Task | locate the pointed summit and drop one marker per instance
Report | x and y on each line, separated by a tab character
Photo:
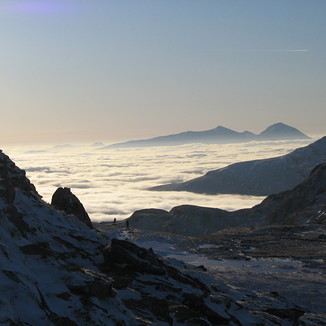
282	131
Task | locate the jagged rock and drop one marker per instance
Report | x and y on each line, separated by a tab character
99	288
63	199
129	258
13	177
14	181
292	314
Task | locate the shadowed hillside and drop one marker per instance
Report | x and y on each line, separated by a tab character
257	177
304	204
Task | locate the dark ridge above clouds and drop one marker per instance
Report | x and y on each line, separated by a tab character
258	177
218	135
304	204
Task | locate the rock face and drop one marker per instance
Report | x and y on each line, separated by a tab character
63	199
218	135
304	204
56	271
258	177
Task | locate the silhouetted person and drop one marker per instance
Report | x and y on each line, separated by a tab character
127	224
115	221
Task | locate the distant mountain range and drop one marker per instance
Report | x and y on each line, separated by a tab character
304	204
218	135
257	177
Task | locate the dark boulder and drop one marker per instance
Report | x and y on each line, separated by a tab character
63	199
128	257
98	287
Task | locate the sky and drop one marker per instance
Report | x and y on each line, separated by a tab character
78	70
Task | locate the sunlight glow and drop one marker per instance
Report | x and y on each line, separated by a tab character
37	7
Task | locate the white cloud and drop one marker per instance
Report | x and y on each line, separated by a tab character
112	183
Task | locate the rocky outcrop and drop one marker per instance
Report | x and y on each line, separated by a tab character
126	257
12	177
304	204
64	200
258	177
13	183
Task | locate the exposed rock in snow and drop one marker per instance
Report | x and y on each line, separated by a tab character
63	199
218	135
258	177
268	264
54	270
304	204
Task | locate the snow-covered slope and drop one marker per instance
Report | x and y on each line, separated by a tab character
218	135
305	203
258	177
272	266
55	270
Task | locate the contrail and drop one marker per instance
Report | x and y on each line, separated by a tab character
266	50
289	50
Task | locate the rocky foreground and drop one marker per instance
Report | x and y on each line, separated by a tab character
263	265
56	270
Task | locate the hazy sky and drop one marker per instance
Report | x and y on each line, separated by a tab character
124	69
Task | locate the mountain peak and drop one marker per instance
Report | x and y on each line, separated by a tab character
280	131
221	128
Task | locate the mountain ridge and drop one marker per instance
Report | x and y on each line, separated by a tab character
256	177
218	135
303	204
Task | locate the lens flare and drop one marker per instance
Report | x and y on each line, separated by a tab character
38	7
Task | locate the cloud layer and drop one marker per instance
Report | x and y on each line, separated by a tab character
111	183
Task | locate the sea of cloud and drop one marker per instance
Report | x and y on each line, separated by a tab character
112	183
